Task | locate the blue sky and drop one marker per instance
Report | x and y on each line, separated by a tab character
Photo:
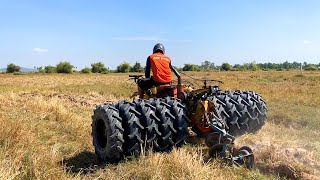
38	33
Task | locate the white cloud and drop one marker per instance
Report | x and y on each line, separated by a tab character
307	42
40	50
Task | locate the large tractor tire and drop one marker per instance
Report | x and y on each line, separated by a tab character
261	108
123	128
181	121
149	121
107	133
246	111
132	128
165	125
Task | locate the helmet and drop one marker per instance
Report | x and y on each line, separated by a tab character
158	47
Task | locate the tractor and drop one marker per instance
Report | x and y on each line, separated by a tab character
160	119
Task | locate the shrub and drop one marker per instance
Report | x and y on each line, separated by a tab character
137	68
190	67
11	68
64	67
40	69
237	67
310	67
86	70
19	73
98	68
253	66
124	67
50	69
226	67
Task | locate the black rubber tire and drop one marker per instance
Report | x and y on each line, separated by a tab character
232	104
215	151
246	111
212	139
107	133
248	160
165	125
181	121
261	108
149	121
132	128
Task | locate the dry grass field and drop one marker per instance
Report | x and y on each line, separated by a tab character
45	129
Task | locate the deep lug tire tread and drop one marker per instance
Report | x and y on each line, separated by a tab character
165	125
246	110
149	121
132	128
181	122
107	114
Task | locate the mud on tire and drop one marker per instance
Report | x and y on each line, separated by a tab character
107	133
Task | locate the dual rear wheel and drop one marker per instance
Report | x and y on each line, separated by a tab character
124	128
242	111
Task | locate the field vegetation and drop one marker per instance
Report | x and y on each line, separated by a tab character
45	128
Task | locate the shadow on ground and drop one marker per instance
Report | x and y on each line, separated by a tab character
85	162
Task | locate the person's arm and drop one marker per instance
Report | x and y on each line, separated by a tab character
179	87
174	70
147	69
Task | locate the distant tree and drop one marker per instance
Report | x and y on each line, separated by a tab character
190	67
124	67
137	67
253	66
226	67
11	68
50	69
237	67
287	65
64	67
86	70
207	65
98	68
296	65
177	68
40	69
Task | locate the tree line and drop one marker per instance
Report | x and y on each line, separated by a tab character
99	67
253	66
67	67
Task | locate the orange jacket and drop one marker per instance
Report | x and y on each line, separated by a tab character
161	68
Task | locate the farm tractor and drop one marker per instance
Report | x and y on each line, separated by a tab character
160	121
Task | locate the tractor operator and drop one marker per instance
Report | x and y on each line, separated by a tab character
161	67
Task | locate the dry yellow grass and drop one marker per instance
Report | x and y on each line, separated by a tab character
45	129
